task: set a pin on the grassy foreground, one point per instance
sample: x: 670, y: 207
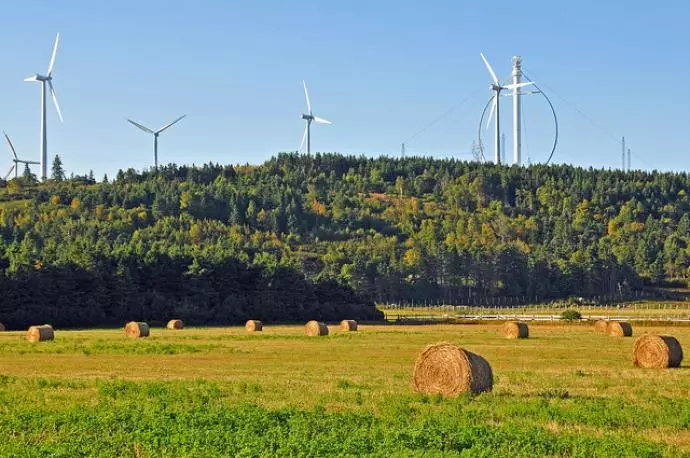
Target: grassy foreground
x: 566, y: 391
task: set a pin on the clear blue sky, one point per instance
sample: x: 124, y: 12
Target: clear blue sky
x: 381, y: 71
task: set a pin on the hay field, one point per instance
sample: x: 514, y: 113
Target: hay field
x: 564, y: 391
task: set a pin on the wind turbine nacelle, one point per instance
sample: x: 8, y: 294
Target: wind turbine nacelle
x: 307, y: 117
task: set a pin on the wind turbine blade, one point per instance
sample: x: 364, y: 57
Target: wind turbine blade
x: 519, y: 85
x: 10, y: 172
x: 52, y: 58
x: 491, y: 113
x: 144, y: 128
x: 170, y: 124
x: 306, y: 94
x: 52, y: 93
x: 321, y: 120
x: 9, y: 142
x: 304, y: 138
x: 31, y: 78
x: 488, y: 67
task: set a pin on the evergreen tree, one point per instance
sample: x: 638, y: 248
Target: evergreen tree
x: 58, y: 173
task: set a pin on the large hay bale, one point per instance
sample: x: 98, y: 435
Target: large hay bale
x: 348, y: 325
x: 515, y: 330
x: 449, y: 370
x: 135, y: 329
x: 601, y: 326
x: 619, y: 329
x: 657, y: 351
x: 175, y: 324
x: 254, y: 326
x: 40, y: 333
x: 316, y: 328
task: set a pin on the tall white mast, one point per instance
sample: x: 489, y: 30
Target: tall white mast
x: 517, y: 121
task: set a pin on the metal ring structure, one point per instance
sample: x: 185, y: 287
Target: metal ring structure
x: 553, y: 112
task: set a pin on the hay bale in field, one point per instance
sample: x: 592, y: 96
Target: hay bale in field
x: 254, y: 326
x: 601, y: 326
x: 40, y: 333
x: 175, y: 324
x: 348, y: 325
x: 515, y: 330
x: 619, y: 329
x: 450, y: 370
x: 316, y: 328
x: 136, y: 329
x: 654, y: 351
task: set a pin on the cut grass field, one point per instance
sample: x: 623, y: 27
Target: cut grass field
x: 565, y: 391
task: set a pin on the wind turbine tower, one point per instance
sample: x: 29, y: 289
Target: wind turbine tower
x: 497, y: 87
x: 43, y: 79
x: 155, y: 134
x: 517, y: 121
x: 15, y: 160
x: 309, y: 118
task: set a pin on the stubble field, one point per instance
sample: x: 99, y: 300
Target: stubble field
x: 565, y: 391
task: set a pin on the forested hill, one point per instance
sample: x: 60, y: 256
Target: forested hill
x: 294, y: 237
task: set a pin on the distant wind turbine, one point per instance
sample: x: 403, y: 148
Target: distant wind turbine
x: 497, y: 87
x: 309, y: 117
x: 15, y: 160
x: 43, y: 79
x: 155, y: 133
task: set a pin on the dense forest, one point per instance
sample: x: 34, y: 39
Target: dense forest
x: 325, y: 236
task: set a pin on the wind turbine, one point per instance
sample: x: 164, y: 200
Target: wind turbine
x: 16, y: 161
x: 497, y: 87
x: 309, y: 117
x: 155, y: 133
x: 43, y: 79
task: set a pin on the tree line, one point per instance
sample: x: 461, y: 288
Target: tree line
x: 381, y: 229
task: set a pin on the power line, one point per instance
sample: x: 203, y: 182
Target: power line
x: 592, y: 121
x: 440, y: 118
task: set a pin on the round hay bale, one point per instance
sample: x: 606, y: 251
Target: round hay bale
x: 136, y: 329
x: 348, y: 325
x: 515, y: 330
x: 619, y: 329
x: 653, y: 351
x: 40, y: 333
x: 316, y: 328
x: 254, y: 326
x: 601, y: 326
x: 175, y: 324
x: 2, y: 327
x: 450, y: 370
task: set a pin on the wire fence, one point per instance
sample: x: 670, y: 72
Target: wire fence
x: 647, y: 311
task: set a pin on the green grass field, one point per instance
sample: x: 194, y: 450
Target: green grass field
x: 565, y: 391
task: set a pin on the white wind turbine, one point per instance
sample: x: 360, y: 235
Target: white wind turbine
x: 497, y: 87
x: 15, y: 160
x: 43, y: 79
x: 155, y: 134
x: 309, y: 117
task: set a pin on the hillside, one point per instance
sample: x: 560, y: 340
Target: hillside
x: 299, y: 237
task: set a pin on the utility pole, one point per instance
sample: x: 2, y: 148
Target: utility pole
x: 623, y: 154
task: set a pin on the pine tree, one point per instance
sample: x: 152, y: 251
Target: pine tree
x: 27, y: 176
x: 58, y: 173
